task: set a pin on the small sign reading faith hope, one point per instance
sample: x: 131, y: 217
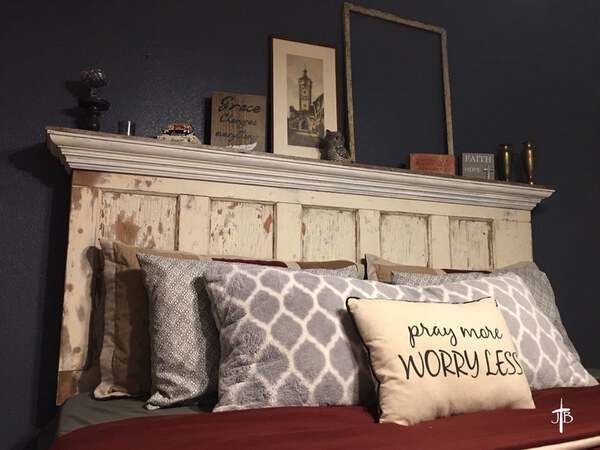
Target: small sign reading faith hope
x: 238, y: 121
x: 479, y: 165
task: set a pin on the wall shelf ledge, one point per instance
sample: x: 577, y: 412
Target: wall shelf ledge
x: 105, y: 152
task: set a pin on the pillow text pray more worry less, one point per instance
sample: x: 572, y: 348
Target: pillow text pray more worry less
x: 441, y: 362
x: 460, y: 359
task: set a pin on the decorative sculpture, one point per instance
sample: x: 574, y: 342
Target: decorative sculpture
x: 92, y: 103
x: 334, y: 147
x: 179, y: 132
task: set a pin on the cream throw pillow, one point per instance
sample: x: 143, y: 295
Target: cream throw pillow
x: 438, y: 359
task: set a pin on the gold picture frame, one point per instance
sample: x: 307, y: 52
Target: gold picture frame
x: 353, y: 8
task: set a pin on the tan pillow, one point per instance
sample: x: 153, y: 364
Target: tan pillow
x: 438, y: 359
x: 380, y: 269
x: 125, y: 354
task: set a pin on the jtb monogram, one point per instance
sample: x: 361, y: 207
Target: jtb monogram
x: 563, y: 415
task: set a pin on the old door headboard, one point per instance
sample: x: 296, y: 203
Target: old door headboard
x: 208, y: 200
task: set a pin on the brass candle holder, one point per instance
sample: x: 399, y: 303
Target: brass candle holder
x: 505, y: 153
x: 528, y: 156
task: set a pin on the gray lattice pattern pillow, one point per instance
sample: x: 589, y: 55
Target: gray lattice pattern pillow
x: 184, y: 357
x: 184, y: 341
x: 287, y: 339
x: 534, y: 278
x: 346, y: 272
x: 546, y: 359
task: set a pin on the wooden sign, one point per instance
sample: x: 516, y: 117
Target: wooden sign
x: 433, y: 163
x: 238, y: 121
x: 479, y: 165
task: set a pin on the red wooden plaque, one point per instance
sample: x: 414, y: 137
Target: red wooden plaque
x: 433, y: 163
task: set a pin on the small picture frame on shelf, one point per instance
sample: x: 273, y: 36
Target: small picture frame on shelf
x: 238, y: 121
x: 481, y: 166
x: 304, y: 95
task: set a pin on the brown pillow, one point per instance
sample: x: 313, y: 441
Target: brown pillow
x: 438, y: 359
x: 125, y: 354
x: 380, y: 269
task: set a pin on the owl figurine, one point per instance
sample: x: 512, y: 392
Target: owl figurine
x: 333, y: 146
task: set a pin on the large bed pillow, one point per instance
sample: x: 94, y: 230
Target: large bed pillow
x: 438, y: 359
x: 534, y: 278
x: 547, y: 361
x: 287, y: 339
x: 183, y: 338
x: 184, y: 341
x: 125, y: 354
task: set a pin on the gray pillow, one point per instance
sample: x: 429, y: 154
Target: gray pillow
x: 534, y: 278
x: 184, y: 350
x: 287, y: 339
x: 184, y: 341
x: 547, y: 361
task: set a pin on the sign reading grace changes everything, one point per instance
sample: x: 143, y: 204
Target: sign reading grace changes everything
x: 457, y: 362
x: 238, y: 121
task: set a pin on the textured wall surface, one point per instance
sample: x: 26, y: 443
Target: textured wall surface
x: 518, y: 70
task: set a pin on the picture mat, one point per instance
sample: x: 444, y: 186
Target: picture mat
x: 281, y: 48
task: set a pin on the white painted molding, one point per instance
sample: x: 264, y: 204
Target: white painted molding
x: 103, y: 152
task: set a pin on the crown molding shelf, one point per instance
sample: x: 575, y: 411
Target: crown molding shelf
x: 104, y: 152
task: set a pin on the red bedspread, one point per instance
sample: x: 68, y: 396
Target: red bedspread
x: 347, y: 428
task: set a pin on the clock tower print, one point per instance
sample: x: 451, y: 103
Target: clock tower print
x: 305, y: 116
x: 305, y: 89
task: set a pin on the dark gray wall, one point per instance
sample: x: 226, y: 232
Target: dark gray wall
x: 519, y: 69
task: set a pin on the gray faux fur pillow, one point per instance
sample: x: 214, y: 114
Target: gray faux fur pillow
x: 545, y: 357
x: 287, y: 338
x: 532, y: 276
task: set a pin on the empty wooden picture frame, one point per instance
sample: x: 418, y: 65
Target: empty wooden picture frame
x: 350, y: 8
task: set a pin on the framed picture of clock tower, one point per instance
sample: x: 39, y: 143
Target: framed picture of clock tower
x: 304, y: 96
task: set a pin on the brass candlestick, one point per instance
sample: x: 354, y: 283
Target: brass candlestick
x: 505, y: 161
x: 529, y: 160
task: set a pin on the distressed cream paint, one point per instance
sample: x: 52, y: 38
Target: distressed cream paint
x: 198, y: 213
